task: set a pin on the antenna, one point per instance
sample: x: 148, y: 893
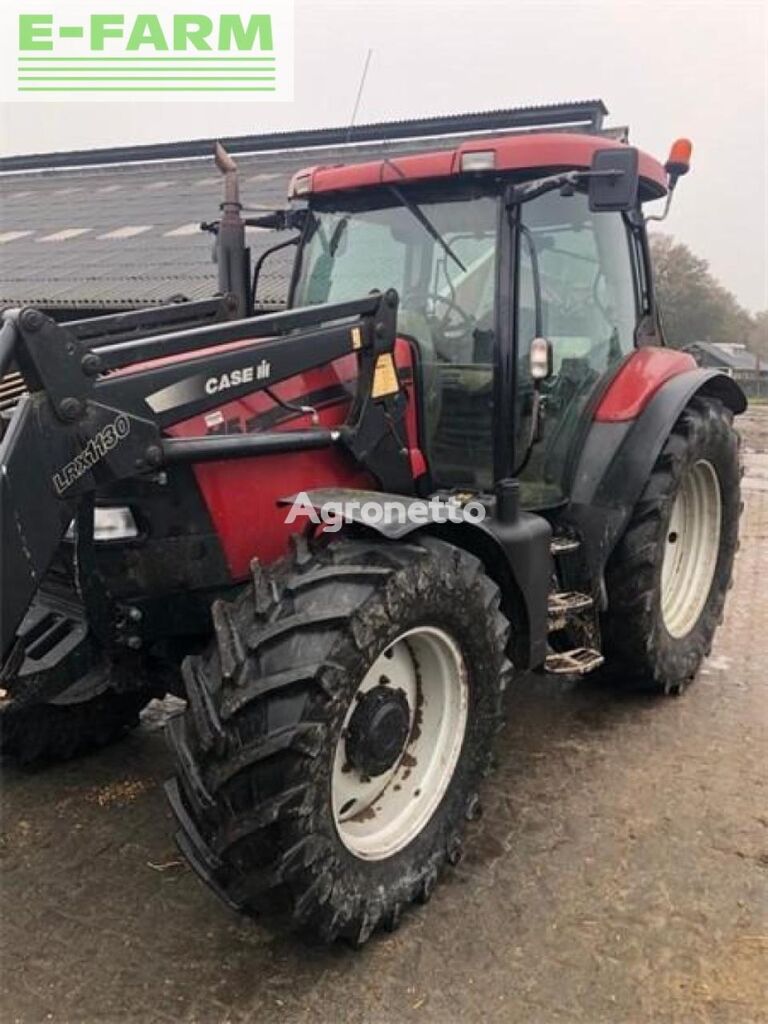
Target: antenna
x: 363, y: 78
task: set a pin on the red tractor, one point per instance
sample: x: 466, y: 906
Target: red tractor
x: 500, y: 468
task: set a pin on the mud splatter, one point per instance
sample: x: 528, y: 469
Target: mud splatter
x: 117, y: 794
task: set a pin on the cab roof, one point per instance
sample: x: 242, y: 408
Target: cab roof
x: 545, y: 151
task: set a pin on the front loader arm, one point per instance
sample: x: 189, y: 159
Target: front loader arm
x: 33, y: 519
x: 83, y: 427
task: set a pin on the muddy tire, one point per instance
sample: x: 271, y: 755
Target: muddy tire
x: 668, y: 578
x: 286, y: 725
x: 48, y: 733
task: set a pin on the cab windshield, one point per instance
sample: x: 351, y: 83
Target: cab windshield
x: 441, y: 259
x: 446, y: 285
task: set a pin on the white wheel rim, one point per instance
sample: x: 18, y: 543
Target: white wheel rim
x: 691, y: 550
x: 377, y: 817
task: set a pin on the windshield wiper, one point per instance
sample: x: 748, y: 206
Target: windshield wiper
x: 426, y: 223
x: 338, y: 234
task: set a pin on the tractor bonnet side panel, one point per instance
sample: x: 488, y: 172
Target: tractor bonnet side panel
x: 242, y: 495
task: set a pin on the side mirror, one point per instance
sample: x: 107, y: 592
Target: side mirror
x: 614, y: 180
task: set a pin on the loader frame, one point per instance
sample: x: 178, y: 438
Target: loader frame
x: 85, y: 424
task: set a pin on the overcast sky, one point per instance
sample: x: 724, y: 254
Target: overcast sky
x: 666, y: 68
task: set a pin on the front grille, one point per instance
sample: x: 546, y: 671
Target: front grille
x: 12, y: 387
x: 45, y: 633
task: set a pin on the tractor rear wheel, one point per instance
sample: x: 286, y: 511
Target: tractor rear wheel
x: 338, y: 730
x: 669, y: 576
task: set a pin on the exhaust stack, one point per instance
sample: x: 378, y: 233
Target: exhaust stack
x: 234, y: 257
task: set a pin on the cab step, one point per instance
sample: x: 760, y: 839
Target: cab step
x: 564, y: 545
x: 578, y: 662
x: 564, y: 604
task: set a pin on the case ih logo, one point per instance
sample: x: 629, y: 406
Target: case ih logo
x: 97, y: 449
x: 193, y: 389
x: 91, y: 50
x: 249, y: 374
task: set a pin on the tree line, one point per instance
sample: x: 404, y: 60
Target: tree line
x: 695, y: 306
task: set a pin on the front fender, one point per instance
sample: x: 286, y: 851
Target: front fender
x: 516, y: 555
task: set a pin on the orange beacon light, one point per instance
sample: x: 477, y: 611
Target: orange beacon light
x: 679, y: 160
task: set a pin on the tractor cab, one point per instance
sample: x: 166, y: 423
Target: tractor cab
x: 489, y: 250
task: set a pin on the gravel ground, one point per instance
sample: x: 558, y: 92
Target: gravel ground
x: 619, y: 874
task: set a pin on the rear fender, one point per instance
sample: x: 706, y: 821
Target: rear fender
x: 516, y: 555
x: 618, y: 458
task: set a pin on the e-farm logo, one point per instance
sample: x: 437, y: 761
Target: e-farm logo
x: 169, y: 49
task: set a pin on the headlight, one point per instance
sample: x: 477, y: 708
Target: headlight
x: 300, y: 186
x: 478, y: 160
x: 110, y: 524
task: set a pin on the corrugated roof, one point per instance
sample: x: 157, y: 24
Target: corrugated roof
x: 579, y: 114
x: 89, y: 270
x: 738, y: 359
x: 121, y: 235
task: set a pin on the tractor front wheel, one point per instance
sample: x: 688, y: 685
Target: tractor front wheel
x: 338, y: 731
x: 668, y: 578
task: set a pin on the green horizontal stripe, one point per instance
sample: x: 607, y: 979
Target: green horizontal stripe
x: 37, y: 59
x: 95, y: 69
x: 159, y: 88
x: 168, y: 66
x: 146, y: 78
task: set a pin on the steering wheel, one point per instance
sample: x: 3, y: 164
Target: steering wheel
x: 449, y: 331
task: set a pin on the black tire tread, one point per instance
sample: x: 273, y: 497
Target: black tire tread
x: 639, y: 651
x: 247, y: 752
x: 46, y: 733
